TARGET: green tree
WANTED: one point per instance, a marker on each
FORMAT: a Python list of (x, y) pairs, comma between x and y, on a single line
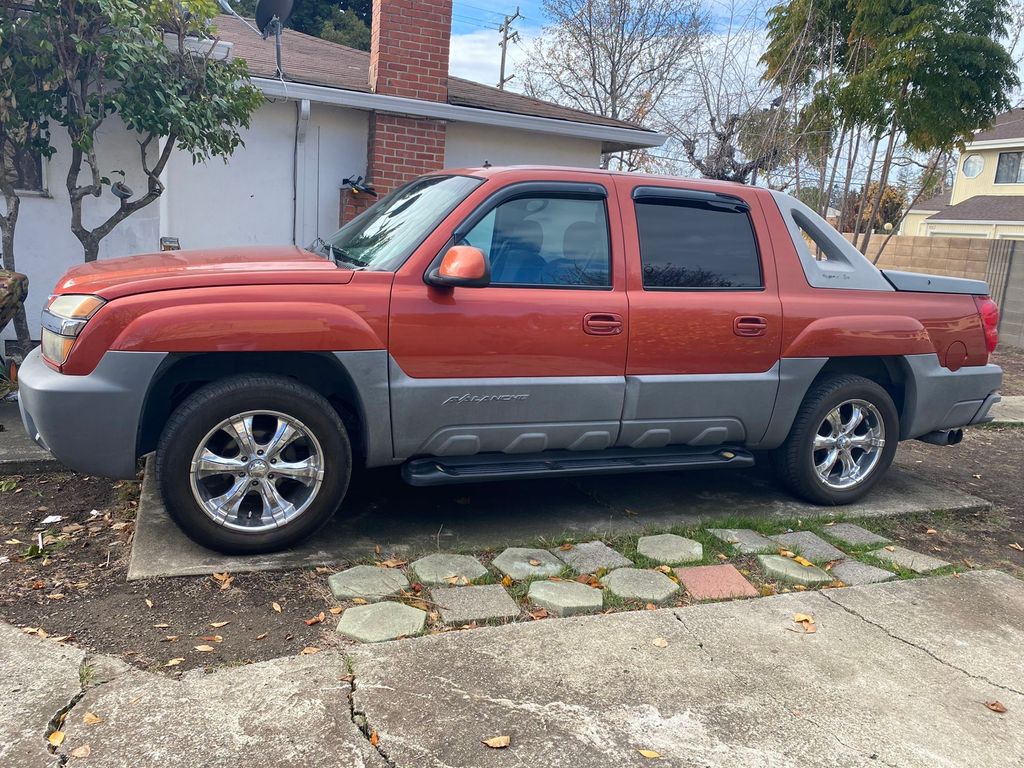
[(347, 23), (153, 65), (27, 92), (345, 27)]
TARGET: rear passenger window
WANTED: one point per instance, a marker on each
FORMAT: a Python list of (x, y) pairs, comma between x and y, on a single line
[(690, 244), (545, 240)]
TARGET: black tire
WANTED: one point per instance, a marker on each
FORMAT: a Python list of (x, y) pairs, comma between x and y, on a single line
[(794, 460), (209, 406)]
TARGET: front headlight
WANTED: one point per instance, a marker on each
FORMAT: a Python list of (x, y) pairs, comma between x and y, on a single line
[(63, 319)]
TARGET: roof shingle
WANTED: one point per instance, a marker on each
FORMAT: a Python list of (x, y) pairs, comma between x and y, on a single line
[(984, 208), (1009, 125), (310, 60)]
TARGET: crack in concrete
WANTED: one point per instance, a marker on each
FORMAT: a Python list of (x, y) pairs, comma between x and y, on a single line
[(695, 636), (926, 651), (852, 748), (56, 722), (360, 721)]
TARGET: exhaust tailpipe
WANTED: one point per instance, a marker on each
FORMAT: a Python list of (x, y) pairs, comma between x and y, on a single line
[(943, 437)]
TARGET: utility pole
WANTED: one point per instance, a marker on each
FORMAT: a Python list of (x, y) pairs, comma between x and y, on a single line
[(508, 35)]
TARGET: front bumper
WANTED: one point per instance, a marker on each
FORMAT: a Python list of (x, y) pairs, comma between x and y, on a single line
[(939, 399), (89, 423)]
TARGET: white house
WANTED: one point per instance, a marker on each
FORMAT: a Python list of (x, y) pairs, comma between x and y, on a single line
[(336, 113)]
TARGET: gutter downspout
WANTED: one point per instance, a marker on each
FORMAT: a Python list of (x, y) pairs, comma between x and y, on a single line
[(302, 110)]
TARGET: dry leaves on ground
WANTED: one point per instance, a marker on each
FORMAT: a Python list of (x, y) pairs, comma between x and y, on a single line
[(498, 742), (56, 738), (533, 561), (276, 606), (806, 621), (392, 562), (660, 642), (204, 648), (219, 624), (83, 751), (91, 718), (315, 619), (174, 662), (650, 754), (1017, 546), (506, 581), (996, 706), (224, 579)]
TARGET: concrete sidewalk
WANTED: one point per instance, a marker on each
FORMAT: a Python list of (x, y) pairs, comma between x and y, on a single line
[(19, 455), (897, 674), (1009, 412)]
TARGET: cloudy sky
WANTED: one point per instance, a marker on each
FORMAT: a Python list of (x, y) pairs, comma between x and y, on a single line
[(475, 53)]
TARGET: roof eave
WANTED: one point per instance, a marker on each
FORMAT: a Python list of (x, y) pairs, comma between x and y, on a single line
[(1017, 143), (609, 136)]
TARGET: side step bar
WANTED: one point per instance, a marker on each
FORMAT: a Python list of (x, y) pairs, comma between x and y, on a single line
[(446, 470)]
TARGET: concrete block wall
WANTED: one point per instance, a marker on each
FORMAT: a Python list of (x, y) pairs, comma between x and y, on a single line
[(953, 256)]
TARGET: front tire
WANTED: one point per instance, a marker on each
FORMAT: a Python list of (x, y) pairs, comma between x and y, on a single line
[(842, 441), (253, 464)]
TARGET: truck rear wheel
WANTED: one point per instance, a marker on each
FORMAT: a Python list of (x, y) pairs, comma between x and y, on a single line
[(252, 464), (842, 441)]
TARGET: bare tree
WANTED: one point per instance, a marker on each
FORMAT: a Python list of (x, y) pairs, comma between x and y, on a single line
[(616, 58)]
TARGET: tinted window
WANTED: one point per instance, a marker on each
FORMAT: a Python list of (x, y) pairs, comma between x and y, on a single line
[(544, 240), (687, 244), (1010, 169)]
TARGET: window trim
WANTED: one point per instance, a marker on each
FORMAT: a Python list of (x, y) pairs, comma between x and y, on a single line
[(680, 197), (1020, 168), (571, 190), (981, 169)]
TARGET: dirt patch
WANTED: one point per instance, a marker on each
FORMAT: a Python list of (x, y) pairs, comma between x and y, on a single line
[(1011, 360), (75, 586)]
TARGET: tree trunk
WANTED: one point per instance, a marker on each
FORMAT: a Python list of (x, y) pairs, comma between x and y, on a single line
[(864, 190), (883, 181), (7, 228), (848, 179), (826, 192)]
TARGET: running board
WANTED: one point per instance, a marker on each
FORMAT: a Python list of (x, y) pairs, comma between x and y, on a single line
[(445, 470)]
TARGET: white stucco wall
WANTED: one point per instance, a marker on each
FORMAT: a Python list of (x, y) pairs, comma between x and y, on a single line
[(469, 145), (44, 247)]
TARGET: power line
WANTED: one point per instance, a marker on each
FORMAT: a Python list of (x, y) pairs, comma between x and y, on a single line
[(508, 35)]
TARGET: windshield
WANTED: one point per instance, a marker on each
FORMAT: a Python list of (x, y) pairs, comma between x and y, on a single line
[(384, 236)]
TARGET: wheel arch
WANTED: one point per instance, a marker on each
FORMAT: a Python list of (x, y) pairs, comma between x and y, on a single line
[(342, 378)]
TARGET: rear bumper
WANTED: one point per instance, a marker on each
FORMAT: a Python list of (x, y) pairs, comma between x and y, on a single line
[(89, 423), (938, 398)]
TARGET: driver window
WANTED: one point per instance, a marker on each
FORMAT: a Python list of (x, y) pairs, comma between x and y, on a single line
[(545, 240)]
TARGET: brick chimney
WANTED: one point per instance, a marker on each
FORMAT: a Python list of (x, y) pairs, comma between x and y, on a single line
[(409, 49)]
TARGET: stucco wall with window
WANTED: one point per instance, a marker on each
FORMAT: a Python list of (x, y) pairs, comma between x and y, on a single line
[(985, 182)]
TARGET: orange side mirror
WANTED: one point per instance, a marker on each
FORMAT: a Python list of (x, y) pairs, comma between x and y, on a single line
[(462, 266)]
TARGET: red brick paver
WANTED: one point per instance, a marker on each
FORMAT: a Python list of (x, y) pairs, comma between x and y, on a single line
[(715, 582)]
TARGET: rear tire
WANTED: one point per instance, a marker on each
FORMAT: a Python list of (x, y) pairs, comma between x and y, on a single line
[(253, 464), (842, 441)]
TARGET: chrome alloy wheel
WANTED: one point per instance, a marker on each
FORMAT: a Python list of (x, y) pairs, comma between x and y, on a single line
[(848, 444), (257, 471)]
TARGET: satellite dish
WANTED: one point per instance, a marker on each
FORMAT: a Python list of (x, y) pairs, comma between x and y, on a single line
[(269, 10)]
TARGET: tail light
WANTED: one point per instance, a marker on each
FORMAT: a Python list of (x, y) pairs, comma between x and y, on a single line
[(989, 312)]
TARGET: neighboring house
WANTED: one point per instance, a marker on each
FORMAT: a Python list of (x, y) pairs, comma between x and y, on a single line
[(987, 198), (389, 115)]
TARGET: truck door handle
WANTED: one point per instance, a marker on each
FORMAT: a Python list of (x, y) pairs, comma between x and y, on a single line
[(749, 326), (602, 323)]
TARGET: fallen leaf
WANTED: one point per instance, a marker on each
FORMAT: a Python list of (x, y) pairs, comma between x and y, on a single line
[(315, 620), (651, 607), (149, 603), (374, 739), (83, 751), (459, 581), (800, 588), (1017, 546), (540, 613), (212, 638), (336, 610), (890, 548), (169, 639), (308, 650), (161, 626), (358, 601), (787, 553), (722, 556), (204, 648), (55, 596), (650, 754), (91, 718), (931, 531), (533, 561), (173, 662), (996, 706), (263, 636), (565, 547), (56, 738), (806, 621), (392, 562), (323, 569), (219, 624), (660, 642), (276, 607), (803, 561), (506, 581), (497, 742), (664, 569)]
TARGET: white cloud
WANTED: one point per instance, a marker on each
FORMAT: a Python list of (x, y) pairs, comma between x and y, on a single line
[(477, 56)]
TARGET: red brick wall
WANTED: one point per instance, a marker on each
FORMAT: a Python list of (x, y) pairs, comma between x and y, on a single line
[(409, 48), (408, 57)]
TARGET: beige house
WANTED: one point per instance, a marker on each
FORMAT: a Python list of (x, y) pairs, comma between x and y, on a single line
[(987, 198)]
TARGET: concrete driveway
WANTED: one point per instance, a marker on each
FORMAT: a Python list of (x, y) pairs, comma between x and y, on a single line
[(900, 674)]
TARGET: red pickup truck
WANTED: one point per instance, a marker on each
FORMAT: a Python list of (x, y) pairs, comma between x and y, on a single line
[(495, 323)]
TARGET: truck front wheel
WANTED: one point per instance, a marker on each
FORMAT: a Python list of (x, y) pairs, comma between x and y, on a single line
[(842, 441), (253, 463)]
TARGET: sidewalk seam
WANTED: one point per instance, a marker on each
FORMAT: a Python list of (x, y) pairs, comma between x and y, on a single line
[(943, 662)]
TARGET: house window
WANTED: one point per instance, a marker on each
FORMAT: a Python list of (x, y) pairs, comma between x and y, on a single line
[(691, 245), (1010, 170), (973, 165), (25, 168)]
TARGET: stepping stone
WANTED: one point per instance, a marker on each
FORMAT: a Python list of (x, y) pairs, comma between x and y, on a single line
[(591, 557), (518, 563), (810, 545), (745, 540), (369, 582), (670, 549), (908, 558), (383, 621), (853, 573), (635, 584), (566, 598), (462, 605), (715, 582), (438, 568), (789, 570), (853, 535)]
